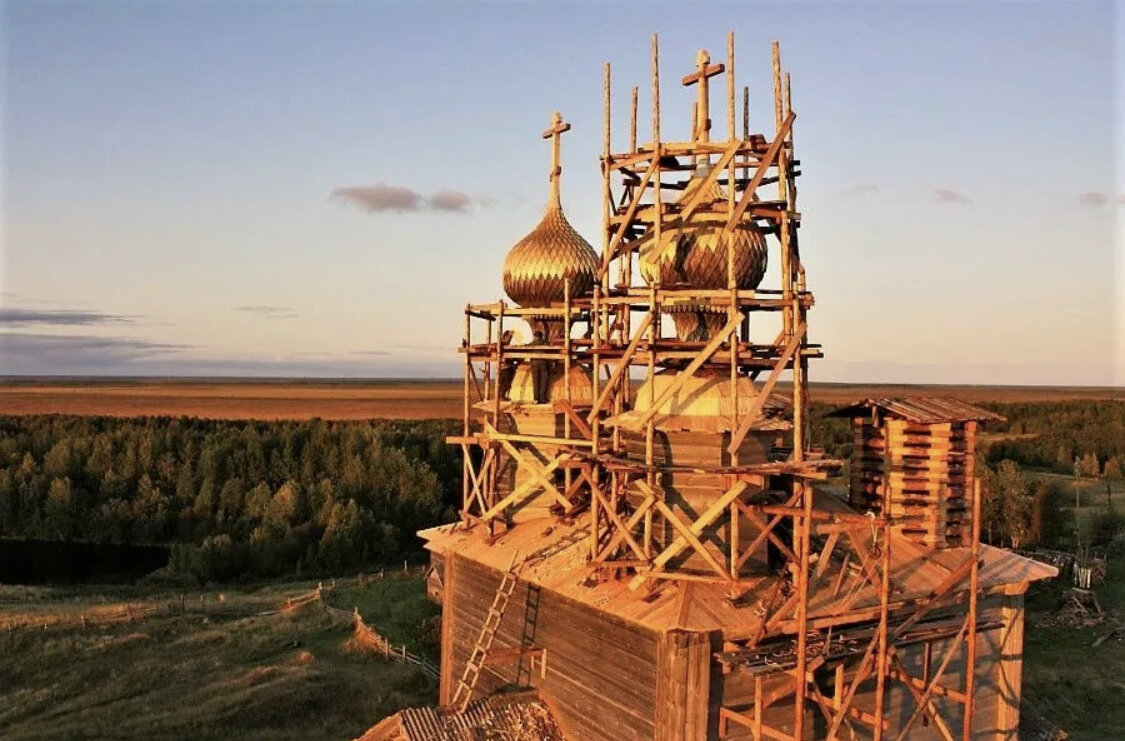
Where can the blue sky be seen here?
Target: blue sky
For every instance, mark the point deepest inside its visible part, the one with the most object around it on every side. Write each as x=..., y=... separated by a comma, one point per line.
x=168, y=167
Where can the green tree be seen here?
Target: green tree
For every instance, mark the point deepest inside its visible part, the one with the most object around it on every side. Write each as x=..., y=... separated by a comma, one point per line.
x=1012, y=503
x=59, y=511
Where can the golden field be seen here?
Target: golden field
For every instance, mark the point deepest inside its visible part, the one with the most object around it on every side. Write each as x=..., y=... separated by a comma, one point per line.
x=380, y=399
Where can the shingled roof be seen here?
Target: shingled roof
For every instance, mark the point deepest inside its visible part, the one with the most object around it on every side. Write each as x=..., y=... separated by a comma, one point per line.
x=516, y=716
x=921, y=409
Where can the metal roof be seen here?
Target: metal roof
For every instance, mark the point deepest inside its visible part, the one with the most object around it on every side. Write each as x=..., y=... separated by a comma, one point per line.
x=921, y=409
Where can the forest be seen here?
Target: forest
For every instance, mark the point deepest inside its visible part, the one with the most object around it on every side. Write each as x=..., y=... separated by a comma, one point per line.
x=232, y=498
x=252, y=498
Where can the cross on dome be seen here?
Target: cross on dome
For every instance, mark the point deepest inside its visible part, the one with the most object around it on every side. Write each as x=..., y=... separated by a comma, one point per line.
x=558, y=128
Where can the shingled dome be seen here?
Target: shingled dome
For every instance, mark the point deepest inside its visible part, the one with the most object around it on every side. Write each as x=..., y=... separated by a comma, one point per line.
x=695, y=256
x=537, y=267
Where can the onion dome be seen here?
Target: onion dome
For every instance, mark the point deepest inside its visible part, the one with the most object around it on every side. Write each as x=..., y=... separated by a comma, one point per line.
x=694, y=255
x=537, y=267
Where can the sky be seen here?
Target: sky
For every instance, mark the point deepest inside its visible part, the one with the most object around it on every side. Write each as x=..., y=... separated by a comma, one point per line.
x=318, y=188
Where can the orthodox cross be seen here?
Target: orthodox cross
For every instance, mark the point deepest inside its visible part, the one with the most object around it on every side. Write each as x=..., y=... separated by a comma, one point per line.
x=704, y=70
x=558, y=128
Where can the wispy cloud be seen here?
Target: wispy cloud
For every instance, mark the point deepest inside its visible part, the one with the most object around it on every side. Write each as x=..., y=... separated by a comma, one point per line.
x=59, y=317
x=268, y=312
x=26, y=352
x=944, y=195
x=1092, y=198
x=400, y=199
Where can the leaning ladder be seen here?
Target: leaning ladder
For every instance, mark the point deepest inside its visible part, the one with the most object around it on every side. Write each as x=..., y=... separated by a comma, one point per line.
x=469, y=678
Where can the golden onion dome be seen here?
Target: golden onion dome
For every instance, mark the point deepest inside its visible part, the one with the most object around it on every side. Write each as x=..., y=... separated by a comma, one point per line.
x=538, y=266
x=694, y=255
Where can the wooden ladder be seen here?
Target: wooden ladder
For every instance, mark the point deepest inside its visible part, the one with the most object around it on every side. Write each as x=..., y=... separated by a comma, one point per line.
x=469, y=678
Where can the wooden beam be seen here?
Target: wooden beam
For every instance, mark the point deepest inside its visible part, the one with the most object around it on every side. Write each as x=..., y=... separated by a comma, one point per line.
x=756, y=408
x=954, y=645
x=630, y=213
x=677, y=546
x=689, y=535
x=576, y=419
x=522, y=491
x=622, y=367
x=763, y=535
x=614, y=517
x=683, y=376
x=749, y=195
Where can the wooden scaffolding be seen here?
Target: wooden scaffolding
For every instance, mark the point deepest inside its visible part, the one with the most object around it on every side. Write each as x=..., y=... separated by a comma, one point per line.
x=603, y=456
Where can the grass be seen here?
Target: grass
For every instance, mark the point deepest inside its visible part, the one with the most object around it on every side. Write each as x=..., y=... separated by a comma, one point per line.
x=273, y=677
x=1076, y=686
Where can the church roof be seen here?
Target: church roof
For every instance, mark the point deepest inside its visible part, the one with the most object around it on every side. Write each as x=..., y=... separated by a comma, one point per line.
x=921, y=409
x=704, y=606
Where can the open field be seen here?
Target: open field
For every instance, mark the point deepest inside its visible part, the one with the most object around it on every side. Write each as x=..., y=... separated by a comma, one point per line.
x=389, y=398
x=290, y=675
x=227, y=673
x=1067, y=679
x=261, y=400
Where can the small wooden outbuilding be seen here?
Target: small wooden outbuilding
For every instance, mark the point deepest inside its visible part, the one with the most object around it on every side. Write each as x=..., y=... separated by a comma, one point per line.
x=915, y=459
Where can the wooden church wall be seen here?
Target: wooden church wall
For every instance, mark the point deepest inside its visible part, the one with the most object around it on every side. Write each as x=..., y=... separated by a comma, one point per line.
x=601, y=672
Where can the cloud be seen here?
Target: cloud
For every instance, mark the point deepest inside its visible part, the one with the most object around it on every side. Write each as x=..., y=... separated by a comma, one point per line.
x=59, y=317
x=864, y=188
x=268, y=312
x=944, y=195
x=399, y=199
x=26, y=353
x=1121, y=200
x=1092, y=198
x=449, y=200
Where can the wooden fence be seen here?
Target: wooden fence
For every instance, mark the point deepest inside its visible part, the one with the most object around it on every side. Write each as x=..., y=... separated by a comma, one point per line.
x=203, y=604
x=365, y=637
x=369, y=639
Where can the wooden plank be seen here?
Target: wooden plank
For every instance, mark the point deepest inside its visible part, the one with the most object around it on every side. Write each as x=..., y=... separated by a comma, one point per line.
x=755, y=410
x=709, y=515
x=683, y=376
x=622, y=367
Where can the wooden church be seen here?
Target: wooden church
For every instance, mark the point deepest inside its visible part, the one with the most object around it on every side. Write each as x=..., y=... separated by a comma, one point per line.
x=647, y=548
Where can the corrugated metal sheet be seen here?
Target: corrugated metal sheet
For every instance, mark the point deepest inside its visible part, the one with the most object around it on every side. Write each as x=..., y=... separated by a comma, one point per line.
x=922, y=409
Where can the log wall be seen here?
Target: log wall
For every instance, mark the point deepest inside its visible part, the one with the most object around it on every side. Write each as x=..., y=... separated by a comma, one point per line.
x=924, y=471
x=600, y=671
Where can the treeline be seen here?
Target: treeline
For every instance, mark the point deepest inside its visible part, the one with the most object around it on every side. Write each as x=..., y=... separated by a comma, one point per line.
x=1062, y=437
x=265, y=498
x=1067, y=437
